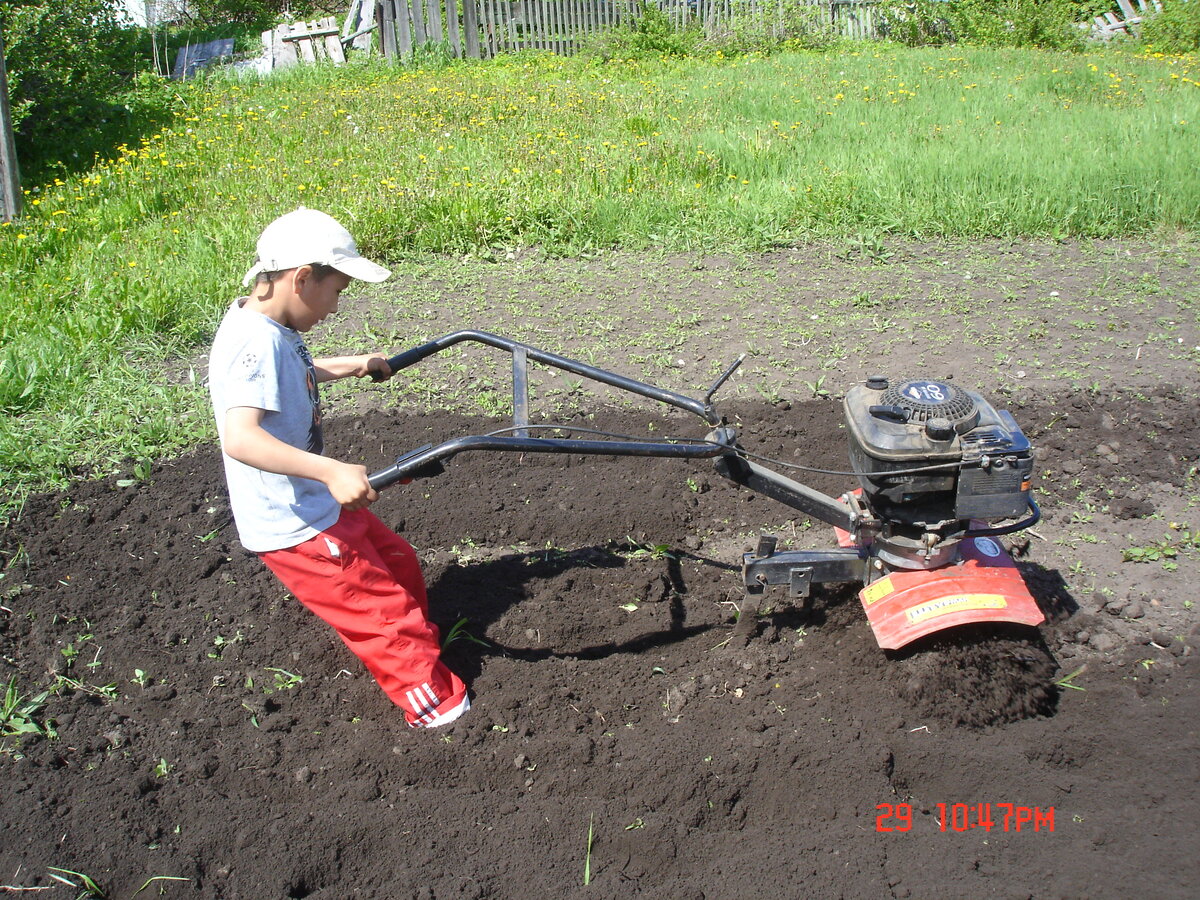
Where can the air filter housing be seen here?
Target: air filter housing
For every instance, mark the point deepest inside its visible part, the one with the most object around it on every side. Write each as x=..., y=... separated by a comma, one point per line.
x=900, y=428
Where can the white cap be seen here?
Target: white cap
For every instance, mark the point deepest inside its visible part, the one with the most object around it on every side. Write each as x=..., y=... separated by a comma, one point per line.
x=308, y=237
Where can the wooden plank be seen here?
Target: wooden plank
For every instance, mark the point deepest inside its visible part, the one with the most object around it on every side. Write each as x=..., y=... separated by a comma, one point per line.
x=404, y=37
x=333, y=49
x=193, y=57
x=283, y=52
x=539, y=15
x=1127, y=8
x=417, y=11
x=433, y=21
x=503, y=36
x=387, y=28
x=302, y=42
x=268, y=42
x=507, y=28
x=351, y=22
x=359, y=37
x=470, y=15
x=317, y=41
x=452, y=27
x=310, y=30
x=10, y=175
x=488, y=25
x=552, y=29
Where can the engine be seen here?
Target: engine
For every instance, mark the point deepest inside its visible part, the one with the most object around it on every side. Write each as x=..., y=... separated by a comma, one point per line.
x=932, y=457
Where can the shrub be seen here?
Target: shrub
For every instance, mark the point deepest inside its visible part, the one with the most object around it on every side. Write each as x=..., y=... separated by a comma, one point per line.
x=64, y=59
x=1048, y=24
x=787, y=25
x=258, y=13
x=1176, y=29
x=651, y=33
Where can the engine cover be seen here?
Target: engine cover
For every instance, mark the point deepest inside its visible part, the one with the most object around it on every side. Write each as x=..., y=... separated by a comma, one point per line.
x=928, y=453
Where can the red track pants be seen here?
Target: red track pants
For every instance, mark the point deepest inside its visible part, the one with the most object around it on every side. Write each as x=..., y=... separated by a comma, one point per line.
x=366, y=581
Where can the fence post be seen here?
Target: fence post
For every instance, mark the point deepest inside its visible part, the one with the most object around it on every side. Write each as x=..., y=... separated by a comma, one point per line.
x=387, y=28
x=455, y=35
x=10, y=176
x=471, y=27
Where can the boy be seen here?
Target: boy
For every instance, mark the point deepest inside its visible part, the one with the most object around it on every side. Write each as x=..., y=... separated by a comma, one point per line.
x=303, y=513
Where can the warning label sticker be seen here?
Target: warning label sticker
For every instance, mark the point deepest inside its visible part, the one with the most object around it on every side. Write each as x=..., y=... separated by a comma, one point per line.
x=877, y=591
x=956, y=603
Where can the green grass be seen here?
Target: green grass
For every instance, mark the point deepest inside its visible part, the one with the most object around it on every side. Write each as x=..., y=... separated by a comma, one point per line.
x=116, y=274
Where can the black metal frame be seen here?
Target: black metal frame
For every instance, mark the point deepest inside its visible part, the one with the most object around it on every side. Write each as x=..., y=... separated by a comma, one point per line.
x=427, y=460
x=798, y=569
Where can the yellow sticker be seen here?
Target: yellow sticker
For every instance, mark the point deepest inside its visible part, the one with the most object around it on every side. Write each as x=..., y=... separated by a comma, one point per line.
x=954, y=603
x=877, y=591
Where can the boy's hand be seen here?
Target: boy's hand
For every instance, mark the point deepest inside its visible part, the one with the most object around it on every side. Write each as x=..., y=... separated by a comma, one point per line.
x=370, y=365
x=349, y=485
x=378, y=369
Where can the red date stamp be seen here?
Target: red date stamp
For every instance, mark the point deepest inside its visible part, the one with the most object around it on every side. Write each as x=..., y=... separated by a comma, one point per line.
x=968, y=817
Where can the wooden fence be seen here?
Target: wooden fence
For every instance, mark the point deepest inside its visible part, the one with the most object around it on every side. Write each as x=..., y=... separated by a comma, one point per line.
x=484, y=28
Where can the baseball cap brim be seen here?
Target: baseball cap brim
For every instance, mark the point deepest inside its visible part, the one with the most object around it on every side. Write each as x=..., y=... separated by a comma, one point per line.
x=362, y=268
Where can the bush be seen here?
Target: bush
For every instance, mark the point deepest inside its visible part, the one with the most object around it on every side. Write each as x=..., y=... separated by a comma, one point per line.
x=650, y=34
x=257, y=13
x=64, y=59
x=1047, y=24
x=1176, y=29
x=785, y=25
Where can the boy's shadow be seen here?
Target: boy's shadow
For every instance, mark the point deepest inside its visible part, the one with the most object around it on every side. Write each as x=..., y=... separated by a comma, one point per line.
x=483, y=591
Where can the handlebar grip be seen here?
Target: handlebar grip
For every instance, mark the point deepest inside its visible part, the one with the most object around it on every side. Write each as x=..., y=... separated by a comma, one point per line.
x=403, y=469
x=408, y=358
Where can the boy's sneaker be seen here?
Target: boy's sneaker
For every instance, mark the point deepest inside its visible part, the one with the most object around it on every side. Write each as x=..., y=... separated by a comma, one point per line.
x=443, y=716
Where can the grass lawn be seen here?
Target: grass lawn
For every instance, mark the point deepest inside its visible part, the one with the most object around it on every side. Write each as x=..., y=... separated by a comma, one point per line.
x=115, y=272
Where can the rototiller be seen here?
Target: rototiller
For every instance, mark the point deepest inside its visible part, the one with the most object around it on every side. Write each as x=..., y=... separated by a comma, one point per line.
x=942, y=473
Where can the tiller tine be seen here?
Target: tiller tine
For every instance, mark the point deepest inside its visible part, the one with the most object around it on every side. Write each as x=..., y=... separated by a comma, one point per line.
x=984, y=587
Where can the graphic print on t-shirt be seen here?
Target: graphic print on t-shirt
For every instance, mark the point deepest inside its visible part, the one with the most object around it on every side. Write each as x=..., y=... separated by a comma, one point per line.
x=316, y=438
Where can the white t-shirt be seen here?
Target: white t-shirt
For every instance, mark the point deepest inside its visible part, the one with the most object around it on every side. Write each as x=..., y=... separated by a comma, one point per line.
x=258, y=363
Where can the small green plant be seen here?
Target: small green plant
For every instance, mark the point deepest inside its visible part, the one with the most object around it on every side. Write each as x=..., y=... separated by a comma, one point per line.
x=284, y=680
x=141, y=473
x=162, y=768
x=648, y=551
x=72, y=650
x=17, y=713
x=140, y=678
x=1148, y=553
x=220, y=642
x=153, y=879
x=459, y=632
x=253, y=713
x=587, y=859
x=867, y=245
x=817, y=388
x=1068, y=681
x=87, y=886
x=63, y=683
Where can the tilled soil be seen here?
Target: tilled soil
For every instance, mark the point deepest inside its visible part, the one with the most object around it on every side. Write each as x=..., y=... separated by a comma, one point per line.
x=622, y=742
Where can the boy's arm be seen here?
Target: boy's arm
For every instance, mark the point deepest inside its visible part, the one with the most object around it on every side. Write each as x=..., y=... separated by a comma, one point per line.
x=334, y=367
x=248, y=442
